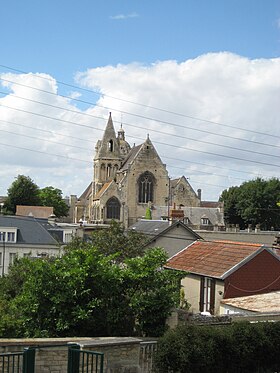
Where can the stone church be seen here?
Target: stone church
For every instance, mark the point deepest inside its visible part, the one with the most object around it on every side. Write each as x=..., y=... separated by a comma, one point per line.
x=129, y=181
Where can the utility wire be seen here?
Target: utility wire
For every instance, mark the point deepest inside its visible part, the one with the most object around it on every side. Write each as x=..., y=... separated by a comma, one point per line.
x=44, y=130
x=142, y=105
x=158, y=142
x=152, y=130
x=172, y=166
x=137, y=115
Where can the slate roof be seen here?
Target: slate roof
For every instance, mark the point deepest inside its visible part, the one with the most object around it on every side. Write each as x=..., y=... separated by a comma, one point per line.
x=155, y=228
x=132, y=154
x=269, y=302
x=30, y=230
x=215, y=259
x=86, y=192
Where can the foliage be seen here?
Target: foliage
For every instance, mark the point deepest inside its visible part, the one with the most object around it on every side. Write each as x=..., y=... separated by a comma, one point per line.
x=50, y=196
x=253, y=202
x=87, y=293
x=240, y=347
x=115, y=240
x=148, y=214
x=23, y=191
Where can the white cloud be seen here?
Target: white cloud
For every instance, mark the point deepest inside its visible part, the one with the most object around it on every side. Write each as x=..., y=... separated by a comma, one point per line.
x=218, y=87
x=124, y=16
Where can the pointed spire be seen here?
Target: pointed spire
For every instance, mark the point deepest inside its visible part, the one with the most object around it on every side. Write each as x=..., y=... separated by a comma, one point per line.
x=109, y=145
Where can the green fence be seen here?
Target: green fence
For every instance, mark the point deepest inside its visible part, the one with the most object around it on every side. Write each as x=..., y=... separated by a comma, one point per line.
x=82, y=361
x=18, y=362
x=79, y=361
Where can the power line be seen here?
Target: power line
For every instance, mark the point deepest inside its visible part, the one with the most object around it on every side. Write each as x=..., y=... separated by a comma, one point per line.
x=44, y=130
x=161, y=143
x=45, y=153
x=138, y=104
x=175, y=159
x=153, y=130
x=50, y=141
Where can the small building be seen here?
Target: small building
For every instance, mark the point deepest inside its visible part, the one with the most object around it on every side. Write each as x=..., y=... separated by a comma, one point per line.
x=216, y=270
x=171, y=236
x=27, y=236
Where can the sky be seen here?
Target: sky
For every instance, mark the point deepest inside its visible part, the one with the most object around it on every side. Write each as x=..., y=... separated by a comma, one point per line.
x=200, y=77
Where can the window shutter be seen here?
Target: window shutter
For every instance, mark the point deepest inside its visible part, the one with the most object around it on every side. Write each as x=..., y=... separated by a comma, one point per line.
x=202, y=280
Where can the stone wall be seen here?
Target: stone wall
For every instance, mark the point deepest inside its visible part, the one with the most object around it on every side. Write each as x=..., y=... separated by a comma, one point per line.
x=121, y=355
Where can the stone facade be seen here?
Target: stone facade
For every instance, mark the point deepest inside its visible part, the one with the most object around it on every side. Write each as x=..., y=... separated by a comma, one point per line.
x=128, y=181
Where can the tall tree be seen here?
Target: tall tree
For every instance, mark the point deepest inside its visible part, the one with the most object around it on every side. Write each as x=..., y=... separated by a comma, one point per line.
x=23, y=191
x=254, y=202
x=50, y=196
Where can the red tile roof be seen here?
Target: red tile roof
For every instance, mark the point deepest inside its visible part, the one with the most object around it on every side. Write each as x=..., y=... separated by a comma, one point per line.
x=212, y=258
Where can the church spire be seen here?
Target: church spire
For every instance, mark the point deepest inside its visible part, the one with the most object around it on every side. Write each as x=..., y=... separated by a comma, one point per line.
x=109, y=147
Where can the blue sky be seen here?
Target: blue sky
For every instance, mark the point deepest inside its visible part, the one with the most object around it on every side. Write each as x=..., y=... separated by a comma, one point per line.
x=212, y=67
x=62, y=37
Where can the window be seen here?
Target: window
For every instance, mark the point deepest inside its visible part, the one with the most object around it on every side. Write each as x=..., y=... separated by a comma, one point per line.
x=12, y=258
x=8, y=234
x=2, y=236
x=207, y=295
x=113, y=208
x=11, y=237
x=146, y=188
x=1, y=260
x=204, y=221
x=110, y=145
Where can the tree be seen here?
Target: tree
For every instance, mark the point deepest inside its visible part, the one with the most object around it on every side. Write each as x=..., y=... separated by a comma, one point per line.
x=253, y=202
x=115, y=240
x=50, y=196
x=23, y=191
x=89, y=292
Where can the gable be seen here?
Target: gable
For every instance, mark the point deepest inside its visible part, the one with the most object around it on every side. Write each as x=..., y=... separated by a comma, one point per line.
x=213, y=259
x=259, y=275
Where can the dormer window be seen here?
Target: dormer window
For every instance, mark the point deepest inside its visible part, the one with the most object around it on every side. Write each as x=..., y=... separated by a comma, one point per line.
x=204, y=221
x=8, y=234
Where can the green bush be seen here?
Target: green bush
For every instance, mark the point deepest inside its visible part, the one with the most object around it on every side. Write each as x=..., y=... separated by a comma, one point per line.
x=237, y=348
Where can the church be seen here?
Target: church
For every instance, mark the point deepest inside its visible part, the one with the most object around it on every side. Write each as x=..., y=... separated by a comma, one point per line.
x=131, y=182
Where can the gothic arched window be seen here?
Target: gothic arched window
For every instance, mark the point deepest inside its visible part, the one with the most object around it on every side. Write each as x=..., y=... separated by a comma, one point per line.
x=113, y=208
x=146, y=188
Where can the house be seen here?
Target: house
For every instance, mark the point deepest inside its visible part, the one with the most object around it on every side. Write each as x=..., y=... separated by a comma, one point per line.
x=171, y=236
x=27, y=236
x=252, y=304
x=216, y=270
x=128, y=180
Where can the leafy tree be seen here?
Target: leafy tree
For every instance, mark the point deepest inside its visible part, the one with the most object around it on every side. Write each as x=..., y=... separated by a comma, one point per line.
x=23, y=191
x=115, y=240
x=50, y=196
x=87, y=293
x=253, y=202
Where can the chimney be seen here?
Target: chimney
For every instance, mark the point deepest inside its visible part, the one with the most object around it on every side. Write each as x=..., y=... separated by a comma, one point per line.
x=199, y=194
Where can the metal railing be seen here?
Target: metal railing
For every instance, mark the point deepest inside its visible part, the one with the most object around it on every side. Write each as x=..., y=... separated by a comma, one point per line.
x=18, y=362
x=83, y=361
